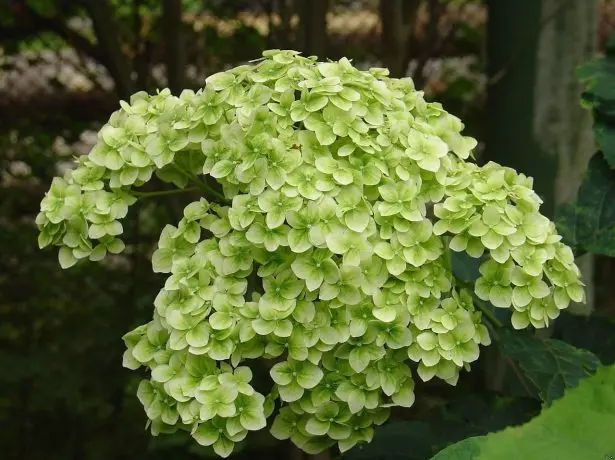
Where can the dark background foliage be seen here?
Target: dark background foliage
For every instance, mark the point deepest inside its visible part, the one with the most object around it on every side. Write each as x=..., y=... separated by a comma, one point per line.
x=64, y=65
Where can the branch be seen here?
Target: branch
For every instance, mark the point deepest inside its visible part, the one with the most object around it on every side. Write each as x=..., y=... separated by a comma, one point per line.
x=487, y=313
x=203, y=186
x=480, y=304
x=397, y=19
x=156, y=193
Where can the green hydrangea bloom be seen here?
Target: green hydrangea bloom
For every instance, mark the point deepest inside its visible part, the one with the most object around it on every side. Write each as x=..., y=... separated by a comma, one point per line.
x=326, y=254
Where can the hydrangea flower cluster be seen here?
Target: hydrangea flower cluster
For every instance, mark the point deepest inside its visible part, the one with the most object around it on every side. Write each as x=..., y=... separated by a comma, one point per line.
x=326, y=256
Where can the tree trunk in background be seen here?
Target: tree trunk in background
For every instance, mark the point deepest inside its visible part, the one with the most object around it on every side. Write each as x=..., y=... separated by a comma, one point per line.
x=281, y=35
x=107, y=31
x=397, y=22
x=313, y=27
x=536, y=124
x=174, y=48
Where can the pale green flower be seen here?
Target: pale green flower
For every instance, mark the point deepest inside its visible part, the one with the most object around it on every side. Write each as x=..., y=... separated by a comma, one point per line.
x=494, y=284
x=420, y=244
x=243, y=212
x=285, y=424
x=250, y=414
x=430, y=280
x=158, y=405
x=315, y=267
x=531, y=258
x=426, y=150
x=353, y=246
x=305, y=231
x=329, y=419
x=355, y=393
x=330, y=201
x=277, y=205
x=491, y=227
x=394, y=335
x=393, y=254
x=294, y=377
x=345, y=289
x=527, y=287
x=213, y=433
x=270, y=238
x=401, y=198
x=340, y=170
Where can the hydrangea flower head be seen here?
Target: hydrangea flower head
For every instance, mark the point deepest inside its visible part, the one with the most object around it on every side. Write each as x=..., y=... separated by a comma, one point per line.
x=325, y=258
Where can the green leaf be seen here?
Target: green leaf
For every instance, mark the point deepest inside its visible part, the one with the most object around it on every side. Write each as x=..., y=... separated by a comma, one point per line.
x=578, y=426
x=595, y=333
x=589, y=224
x=605, y=137
x=548, y=366
x=598, y=78
x=456, y=419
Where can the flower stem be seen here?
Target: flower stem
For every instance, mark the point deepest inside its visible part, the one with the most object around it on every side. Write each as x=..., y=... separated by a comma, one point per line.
x=479, y=303
x=448, y=260
x=203, y=186
x=490, y=316
x=162, y=192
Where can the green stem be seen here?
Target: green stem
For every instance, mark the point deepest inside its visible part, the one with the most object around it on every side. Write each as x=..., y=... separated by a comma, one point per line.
x=479, y=303
x=490, y=316
x=203, y=186
x=141, y=195
x=448, y=260
x=463, y=284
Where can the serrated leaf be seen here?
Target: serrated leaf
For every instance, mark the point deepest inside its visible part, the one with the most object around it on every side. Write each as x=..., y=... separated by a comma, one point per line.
x=595, y=333
x=549, y=366
x=580, y=425
x=597, y=77
x=605, y=138
x=589, y=226
x=464, y=416
x=566, y=222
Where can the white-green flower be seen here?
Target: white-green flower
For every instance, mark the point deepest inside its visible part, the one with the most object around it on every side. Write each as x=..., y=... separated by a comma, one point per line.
x=330, y=200
x=426, y=149
x=494, y=284
x=294, y=377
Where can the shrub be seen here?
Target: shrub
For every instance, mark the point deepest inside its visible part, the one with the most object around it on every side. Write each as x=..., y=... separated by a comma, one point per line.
x=323, y=254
